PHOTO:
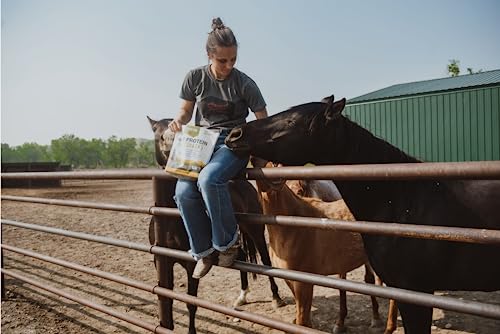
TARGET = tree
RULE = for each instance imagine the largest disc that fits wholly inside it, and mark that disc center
(454, 67)
(8, 153)
(471, 71)
(27, 152)
(32, 152)
(119, 151)
(144, 155)
(92, 153)
(67, 150)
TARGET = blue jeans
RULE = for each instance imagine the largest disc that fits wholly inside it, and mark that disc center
(205, 204)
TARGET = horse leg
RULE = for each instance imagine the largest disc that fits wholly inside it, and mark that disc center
(193, 291)
(303, 303)
(370, 278)
(392, 317)
(339, 324)
(260, 242)
(416, 319)
(242, 298)
(168, 284)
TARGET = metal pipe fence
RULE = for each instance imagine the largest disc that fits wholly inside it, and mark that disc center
(155, 289)
(485, 170)
(441, 171)
(459, 234)
(419, 298)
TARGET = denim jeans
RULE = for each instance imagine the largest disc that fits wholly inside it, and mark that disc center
(205, 204)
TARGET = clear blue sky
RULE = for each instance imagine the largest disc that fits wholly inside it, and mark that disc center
(96, 68)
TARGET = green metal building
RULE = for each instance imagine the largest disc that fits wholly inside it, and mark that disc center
(449, 119)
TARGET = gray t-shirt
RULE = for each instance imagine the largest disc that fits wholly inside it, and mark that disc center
(221, 103)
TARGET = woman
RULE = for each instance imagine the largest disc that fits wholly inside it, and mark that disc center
(222, 95)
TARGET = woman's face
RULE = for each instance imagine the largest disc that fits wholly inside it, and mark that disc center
(223, 60)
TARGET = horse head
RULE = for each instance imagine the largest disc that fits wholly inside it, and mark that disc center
(281, 136)
(267, 185)
(163, 139)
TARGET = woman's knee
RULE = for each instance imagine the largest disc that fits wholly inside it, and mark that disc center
(186, 190)
(206, 179)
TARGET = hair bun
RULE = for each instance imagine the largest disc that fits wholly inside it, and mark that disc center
(217, 24)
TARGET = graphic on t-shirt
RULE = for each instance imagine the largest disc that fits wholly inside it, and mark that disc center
(216, 110)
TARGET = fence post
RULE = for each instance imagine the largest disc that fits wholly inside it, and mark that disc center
(163, 193)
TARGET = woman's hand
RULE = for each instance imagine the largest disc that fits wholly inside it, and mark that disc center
(184, 116)
(175, 125)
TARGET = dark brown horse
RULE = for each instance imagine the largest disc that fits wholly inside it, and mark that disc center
(245, 199)
(320, 134)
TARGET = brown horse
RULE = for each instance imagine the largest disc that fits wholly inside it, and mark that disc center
(313, 250)
(244, 199)
(320, 134)
(324, 190)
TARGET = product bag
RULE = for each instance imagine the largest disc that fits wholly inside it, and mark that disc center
(191, 151)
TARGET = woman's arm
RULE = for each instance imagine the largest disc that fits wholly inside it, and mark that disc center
(261, 113)
(183, 117)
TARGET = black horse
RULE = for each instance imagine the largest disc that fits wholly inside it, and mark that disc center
(318, 133)
(245, 199)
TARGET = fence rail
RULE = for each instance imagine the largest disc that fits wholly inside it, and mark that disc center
(485, 170)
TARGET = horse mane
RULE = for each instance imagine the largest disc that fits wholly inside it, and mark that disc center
(373, 146)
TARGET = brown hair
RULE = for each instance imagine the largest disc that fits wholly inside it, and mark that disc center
(220, 36)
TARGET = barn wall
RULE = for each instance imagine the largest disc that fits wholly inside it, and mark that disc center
(451, 126)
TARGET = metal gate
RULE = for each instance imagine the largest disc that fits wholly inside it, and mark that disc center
(163, 187)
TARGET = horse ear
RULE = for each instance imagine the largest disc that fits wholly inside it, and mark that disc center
(328, 99)
(151, 121)
(334, 109)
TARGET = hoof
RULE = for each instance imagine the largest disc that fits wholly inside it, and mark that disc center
(339, 330)
(277, 303)
(240, 302)
(242, 299)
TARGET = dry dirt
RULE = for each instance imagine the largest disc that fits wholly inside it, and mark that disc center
(27, 309)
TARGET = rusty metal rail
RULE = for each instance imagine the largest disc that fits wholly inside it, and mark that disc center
(408, 171)
(155, 289)
(460, 234)
(419, 298)
(120, 315)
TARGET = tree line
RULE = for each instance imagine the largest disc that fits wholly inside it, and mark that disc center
(81, 153)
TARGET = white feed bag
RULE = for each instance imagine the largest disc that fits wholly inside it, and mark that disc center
(191, 151)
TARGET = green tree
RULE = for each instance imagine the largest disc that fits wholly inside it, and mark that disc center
(67, 149)
(9, 154)
(119, 151)
(33, 152)
(144, 155)
(92, 153)
(454, 67)
(471, 71)
(27, 152)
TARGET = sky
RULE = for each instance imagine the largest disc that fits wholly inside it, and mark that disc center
(97, 68)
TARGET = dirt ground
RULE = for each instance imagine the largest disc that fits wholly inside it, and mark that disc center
(27, 309)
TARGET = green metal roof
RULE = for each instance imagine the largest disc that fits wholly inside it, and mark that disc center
(431, 86)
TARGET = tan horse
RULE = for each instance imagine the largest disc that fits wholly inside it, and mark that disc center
(325, 190)
(328, 252)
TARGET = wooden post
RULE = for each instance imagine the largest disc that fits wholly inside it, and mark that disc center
(163, 192)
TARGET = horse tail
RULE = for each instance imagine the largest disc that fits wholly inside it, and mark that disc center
(249, 249)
